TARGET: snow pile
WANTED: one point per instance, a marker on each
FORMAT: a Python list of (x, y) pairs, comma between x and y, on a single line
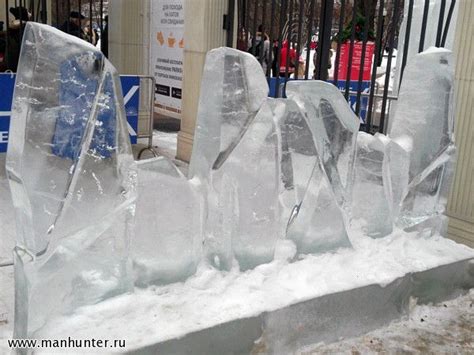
[(211, 297)]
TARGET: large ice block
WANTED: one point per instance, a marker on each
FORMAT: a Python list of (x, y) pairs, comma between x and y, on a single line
[(423, 120), (72, 177), (312, 217), (244, 195), (167, 242), (233, 89), (334, 126), (371, 198)]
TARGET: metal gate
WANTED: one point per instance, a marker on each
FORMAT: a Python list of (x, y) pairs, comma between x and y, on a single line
[(345, 42), (90, 13)]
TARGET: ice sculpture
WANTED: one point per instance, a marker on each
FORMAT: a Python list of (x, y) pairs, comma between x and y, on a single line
[(256, 160), (372, 196), (72, 178), (324, 212), (334, 126), (423, 120), (232, 91), (167, 242)]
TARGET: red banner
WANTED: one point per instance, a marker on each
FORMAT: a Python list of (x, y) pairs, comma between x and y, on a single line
[(356, 59)]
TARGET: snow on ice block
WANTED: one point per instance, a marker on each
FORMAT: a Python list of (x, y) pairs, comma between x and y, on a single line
[(424, 118), (279, 307), (72, 178), (167, 242)]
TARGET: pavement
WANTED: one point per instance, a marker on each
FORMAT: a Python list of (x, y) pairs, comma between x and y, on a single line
[(443, 328)]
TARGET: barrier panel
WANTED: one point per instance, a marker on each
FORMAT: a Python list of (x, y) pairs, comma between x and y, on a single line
[(131, 98)]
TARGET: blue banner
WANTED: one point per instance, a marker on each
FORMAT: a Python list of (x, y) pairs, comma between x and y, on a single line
[(131, 95), (341, 85), (7, 83), (364, 101)]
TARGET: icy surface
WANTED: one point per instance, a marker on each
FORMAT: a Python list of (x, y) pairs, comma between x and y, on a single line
[(167, 241), (322, 216), (213, 297), (423, 118), (72, 178), (233, 89), (372, 196), (334, 127)]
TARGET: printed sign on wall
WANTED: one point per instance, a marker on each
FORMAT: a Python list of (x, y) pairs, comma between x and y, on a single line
[(167, 44)]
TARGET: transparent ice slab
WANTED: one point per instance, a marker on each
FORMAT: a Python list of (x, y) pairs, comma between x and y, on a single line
[(233, 89), (167, 242), (423, 120), (334, 126), (312, 217), (244, 197), (72, 177), (371, 198)]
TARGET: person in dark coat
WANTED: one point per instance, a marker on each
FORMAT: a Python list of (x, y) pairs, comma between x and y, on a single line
[(15, 35), (73, 26), (104, 41)]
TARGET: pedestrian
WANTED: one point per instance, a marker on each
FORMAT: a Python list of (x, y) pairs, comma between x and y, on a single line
[(16, 29), (287, 56), (260, 47), (73, 25), (104, 41)]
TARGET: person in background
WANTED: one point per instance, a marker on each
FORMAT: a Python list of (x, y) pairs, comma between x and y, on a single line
[(15, 35), (90, 34), (287, 53), (104, 40), (260, 48), (73, 26)]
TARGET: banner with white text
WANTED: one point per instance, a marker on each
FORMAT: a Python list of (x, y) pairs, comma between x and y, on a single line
[(166, 51)]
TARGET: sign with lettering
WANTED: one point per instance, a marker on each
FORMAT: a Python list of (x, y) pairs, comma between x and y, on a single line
[(131, 95), (166, 51)]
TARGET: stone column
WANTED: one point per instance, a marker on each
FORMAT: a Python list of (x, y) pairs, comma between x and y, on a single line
[(461, 201), (129, 36), (203, 31)]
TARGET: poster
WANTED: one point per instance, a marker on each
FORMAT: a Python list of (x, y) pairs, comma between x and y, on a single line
[(356, 61), (167, 45)]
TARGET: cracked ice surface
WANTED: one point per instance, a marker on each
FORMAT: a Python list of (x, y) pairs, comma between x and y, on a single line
[(321, 221), (258, 166), (72, 178), (423, 120)]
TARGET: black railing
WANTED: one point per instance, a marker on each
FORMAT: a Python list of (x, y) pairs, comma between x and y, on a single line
[(85, 19), (346, 34)]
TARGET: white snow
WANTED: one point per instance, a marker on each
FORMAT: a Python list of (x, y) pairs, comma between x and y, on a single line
[(212, 297)]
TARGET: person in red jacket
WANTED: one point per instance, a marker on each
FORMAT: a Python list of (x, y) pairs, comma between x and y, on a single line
[(285, 49)]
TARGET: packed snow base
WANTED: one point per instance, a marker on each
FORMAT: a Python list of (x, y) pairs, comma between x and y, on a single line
[(212, 297), (264, 173)]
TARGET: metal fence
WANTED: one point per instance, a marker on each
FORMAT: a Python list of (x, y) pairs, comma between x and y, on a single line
[(84, 19), (345, 42)]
